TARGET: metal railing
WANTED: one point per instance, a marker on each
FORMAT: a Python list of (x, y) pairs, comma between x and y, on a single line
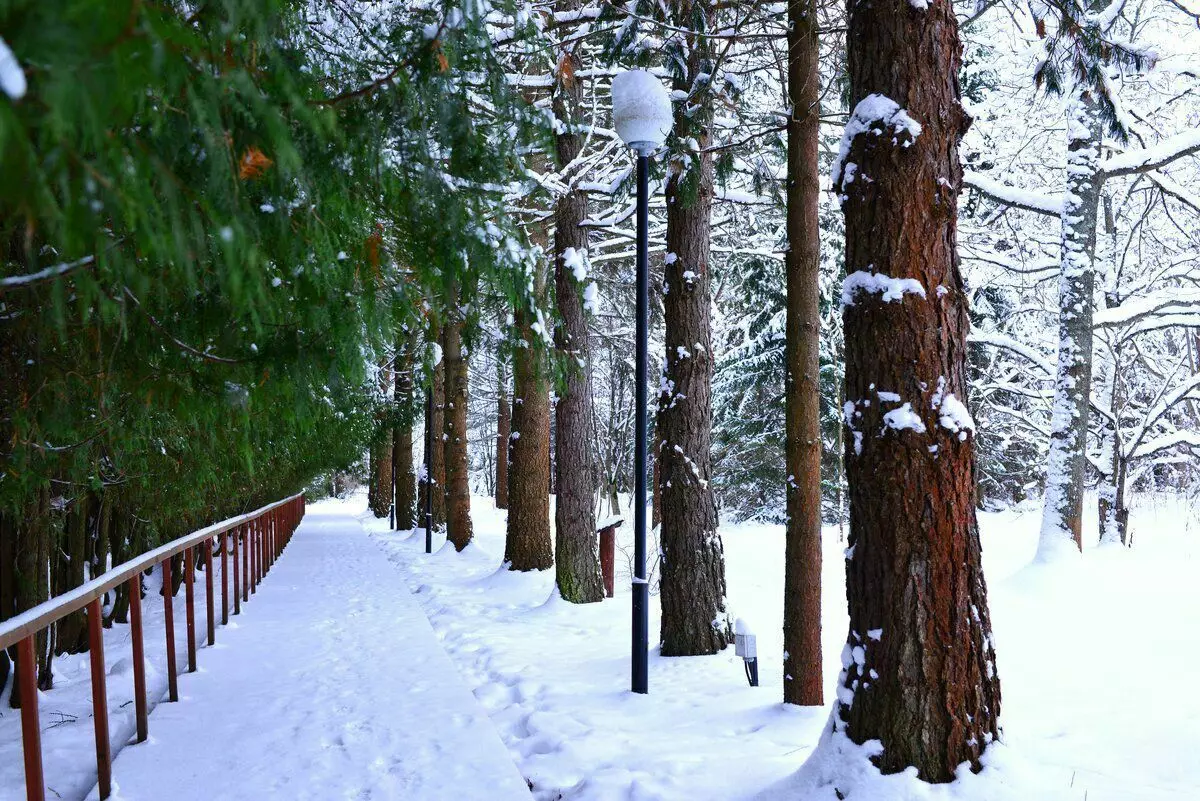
[(259, 537)]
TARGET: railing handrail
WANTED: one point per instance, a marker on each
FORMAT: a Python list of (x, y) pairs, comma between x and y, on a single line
[(46, 613)]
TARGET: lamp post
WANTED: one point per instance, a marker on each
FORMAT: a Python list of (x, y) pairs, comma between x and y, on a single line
[(642, 117), (429, 467)]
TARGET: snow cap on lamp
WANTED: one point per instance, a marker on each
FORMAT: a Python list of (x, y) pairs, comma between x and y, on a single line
[(641, 110)]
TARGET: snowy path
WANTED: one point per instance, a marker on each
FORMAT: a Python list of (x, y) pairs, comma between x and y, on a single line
[(331, 686)]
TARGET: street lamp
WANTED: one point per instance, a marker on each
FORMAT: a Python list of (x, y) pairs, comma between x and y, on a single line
[(642, 117)]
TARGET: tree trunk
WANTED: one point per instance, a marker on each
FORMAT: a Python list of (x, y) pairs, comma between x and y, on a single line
[(1062, 517), (919, 672), (503, 432), (458, 490), (802, 680), (692, 585), (576, 551), (527, 544), (379, 491), (31, 580), (68, 571), (402, 436)]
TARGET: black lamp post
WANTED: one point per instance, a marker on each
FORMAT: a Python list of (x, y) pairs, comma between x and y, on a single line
[(642, 117), (428, 468)]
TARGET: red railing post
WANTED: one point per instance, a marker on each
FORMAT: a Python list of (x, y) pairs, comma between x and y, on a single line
[(31, 733), (189, 576), (255, 556), (95, 623), (225, 579), (237, 575), (169, 621), (245, 563), (139, 657), (209, 594)]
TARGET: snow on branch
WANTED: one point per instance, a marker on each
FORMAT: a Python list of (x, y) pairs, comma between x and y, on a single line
[(48, 274), (1154, 157), (1023, 199)]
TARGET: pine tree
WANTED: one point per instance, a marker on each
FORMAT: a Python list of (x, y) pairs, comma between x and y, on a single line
[(913, 566)]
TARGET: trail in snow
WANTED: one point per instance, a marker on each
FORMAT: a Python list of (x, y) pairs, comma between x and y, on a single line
[(331, 686)]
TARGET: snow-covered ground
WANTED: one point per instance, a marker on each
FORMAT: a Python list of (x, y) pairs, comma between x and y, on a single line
[(330, 685), (1095, 659)]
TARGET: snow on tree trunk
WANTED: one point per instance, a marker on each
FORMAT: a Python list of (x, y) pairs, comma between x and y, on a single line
[(692, 584), (503, 431), (918, 664), (458, 489), (527, 544), (576, 553), (802, 680), (1062, 516)]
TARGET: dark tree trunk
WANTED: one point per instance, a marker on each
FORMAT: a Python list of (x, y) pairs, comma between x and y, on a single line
[(68, 572), (33, 547), (576, 555), (458, 490), (402, 435), (692, 586), (802, 682), (527, 544), (920, 675), (503, 432)]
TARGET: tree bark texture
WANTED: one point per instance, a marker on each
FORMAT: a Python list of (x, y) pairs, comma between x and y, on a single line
[(576, 553), (503, 432), (692, 584), (379, 492), (458, 490), (402, 436), (1066, 465), (527, 543), (802, 680), (918, 666)]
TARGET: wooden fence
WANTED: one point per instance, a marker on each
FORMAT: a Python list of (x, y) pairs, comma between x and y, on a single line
[(258, 537)]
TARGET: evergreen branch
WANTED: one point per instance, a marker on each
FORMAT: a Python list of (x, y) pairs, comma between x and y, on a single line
[(178, 342)]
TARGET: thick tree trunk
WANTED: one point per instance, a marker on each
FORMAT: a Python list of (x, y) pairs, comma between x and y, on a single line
[(503, 432), (379, 491), (802, 680), (69, 568), (458, 490), (527, 544), (576, 552), (402, 436), (919, 672), (31, 582), (1066, 467), (692, 585)]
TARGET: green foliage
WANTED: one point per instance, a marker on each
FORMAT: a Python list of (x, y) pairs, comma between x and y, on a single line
[(231, 206)]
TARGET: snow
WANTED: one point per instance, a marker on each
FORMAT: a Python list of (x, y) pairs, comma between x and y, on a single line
[(304, 695), (892, 289), (641, 108), (12, 77), (591, 298), (576, 261), (875, 114), (1080, 652), (904, 418)]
